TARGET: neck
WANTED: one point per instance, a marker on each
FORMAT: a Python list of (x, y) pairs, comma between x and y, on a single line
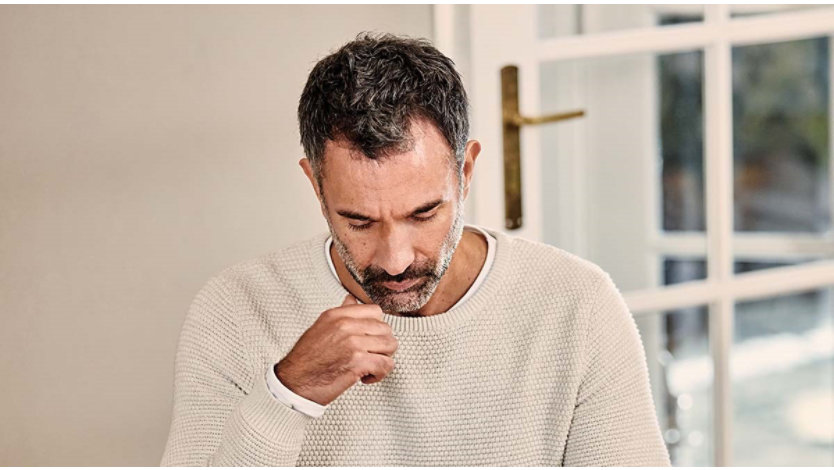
[(467, 262)]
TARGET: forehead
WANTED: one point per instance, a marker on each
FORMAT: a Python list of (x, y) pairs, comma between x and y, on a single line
[(397, 181)]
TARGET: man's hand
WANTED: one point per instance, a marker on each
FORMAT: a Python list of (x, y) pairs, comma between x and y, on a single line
[(344, 345)]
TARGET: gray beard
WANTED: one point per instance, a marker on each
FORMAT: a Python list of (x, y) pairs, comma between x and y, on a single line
[(409, 301)]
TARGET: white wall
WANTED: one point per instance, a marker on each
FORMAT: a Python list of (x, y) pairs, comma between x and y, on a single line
[(142, 149)]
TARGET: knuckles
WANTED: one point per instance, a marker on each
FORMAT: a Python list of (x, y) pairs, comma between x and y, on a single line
[(342, 324), (355, 358), (353, 343), (387, 364), (391, 342), (330, 314)]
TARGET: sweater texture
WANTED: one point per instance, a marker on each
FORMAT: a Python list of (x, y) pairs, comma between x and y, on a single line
[(543, 365)]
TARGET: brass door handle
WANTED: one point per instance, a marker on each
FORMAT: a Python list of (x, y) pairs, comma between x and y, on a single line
[(512, 121)]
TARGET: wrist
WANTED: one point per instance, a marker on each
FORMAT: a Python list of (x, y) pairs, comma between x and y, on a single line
[(289, 397)]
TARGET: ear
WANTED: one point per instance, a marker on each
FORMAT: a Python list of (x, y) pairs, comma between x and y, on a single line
[(304, 163), (473, 149)]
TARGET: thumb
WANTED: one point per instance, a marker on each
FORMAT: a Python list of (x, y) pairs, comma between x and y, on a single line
[(349, 300)]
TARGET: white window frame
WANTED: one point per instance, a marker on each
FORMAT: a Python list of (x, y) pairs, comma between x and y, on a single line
[(722, 288)]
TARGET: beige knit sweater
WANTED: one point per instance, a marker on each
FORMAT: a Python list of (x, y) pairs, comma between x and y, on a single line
[(543, 365)]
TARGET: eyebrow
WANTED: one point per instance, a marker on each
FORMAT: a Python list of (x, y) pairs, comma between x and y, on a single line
[(420, 210)]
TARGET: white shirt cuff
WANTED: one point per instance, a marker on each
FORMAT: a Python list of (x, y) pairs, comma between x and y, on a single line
[(287, 397)]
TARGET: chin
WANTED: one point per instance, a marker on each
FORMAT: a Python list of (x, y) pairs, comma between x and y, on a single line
[(408, 302), (401, 303)]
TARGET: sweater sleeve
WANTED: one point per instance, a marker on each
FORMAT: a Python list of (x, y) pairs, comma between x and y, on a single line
[(223, 413), (614, 421)]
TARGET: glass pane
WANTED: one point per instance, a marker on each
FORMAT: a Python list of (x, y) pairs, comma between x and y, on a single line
[(682, 141), (677, 270), (782, 369), (602, 174), (781, 136), (737, 11), (568, 20), (680, 371)]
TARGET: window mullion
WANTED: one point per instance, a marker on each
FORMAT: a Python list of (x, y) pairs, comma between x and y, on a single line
[(757, 245), (719, 210), (831, 136)]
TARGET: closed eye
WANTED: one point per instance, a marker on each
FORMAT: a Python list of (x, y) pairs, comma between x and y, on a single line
[(427, 211), (360, 227), (425, 218)]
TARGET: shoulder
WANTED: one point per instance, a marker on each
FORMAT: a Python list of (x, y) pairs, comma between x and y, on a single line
[(265, 287), (286, 268), (548, 283), (556, 284), (267, 293), (550, 266)]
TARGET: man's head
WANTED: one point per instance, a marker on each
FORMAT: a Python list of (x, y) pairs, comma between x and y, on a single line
[(384, 125)]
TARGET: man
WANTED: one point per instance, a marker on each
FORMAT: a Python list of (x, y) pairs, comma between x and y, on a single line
[(403, 337)]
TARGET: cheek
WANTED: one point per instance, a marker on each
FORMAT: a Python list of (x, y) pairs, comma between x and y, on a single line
[(432, 238), (359, 248)]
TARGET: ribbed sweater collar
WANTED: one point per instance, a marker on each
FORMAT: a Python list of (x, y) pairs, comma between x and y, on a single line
[(450, 319)]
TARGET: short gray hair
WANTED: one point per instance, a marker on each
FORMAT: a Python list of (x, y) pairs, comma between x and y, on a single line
[(368, 92)]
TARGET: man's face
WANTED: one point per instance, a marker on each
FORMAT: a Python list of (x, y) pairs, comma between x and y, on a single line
[(395, 222)]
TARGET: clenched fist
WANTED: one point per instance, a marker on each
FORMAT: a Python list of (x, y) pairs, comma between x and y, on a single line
[(344, 345)]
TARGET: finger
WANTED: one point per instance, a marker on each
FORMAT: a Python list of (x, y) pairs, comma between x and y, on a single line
[(377, 344), (383, 365), (359, 311), (369, 379), (349, 300), (376, 367), (363, 326)]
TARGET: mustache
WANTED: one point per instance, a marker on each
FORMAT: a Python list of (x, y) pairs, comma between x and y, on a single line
[(375, 275)]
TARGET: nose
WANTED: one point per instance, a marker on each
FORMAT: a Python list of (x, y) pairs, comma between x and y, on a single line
[(395, 253)]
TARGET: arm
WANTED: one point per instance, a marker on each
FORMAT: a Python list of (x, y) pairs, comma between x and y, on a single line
[(223, 412), (614, 422)]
